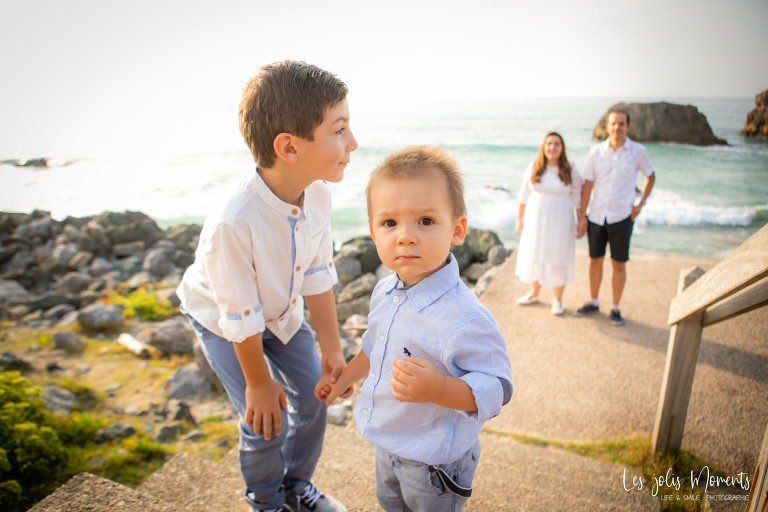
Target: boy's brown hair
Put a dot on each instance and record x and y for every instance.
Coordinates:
(285, 97)
(415, 161)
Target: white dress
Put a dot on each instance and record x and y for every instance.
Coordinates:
(546, 250)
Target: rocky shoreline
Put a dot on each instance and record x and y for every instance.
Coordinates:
(62, 276)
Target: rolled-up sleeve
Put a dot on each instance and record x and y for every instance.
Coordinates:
(643, 163)
(479, 358)
(321, 274)
(232, 279)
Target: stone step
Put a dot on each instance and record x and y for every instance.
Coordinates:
(193, 484)
(85, 492)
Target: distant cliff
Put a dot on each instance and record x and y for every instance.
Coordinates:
(756, 124)
(663, 122)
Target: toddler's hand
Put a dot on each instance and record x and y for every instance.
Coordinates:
(328, 391)
(415, 380)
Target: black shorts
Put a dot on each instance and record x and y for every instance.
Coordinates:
(617, 235)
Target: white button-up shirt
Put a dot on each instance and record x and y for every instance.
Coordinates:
(614, 174)
(440, 320)
(257, 256)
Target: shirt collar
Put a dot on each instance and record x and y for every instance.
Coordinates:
(431, 288)
(274, 202)
(626, 145)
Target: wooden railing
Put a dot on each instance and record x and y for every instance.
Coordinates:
(734, 286)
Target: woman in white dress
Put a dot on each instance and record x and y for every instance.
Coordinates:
(549, 199)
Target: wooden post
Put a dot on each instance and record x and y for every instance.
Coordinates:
(758, 494)
(680, 366)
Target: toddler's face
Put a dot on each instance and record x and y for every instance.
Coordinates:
(413, 225)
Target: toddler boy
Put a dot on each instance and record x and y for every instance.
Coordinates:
(261, 254)
(435, 362)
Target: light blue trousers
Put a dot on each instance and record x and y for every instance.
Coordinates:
(284, 464)
(404, 485)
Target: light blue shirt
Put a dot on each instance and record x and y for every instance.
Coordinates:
(440, 320)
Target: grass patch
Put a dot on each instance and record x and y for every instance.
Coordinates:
(668, 475)
(142, 303)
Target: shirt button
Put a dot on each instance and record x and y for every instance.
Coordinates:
(330, 265)
(365, 412)
(298, 268)
(295, 211)
(373, 375)
(381, 337)
(247, 312)
(297, 229)
(293, 301)
(395, 299)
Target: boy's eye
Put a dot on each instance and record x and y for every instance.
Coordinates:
(340, 130)
(389, 223)
(426, 221)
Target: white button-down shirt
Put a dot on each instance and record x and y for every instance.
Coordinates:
(439, 320)
(257, 256)
(614, 174)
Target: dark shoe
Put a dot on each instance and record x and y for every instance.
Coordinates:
(616, 318)
(315, 501)
(587, 309)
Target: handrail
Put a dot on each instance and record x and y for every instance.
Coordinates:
(746, 265)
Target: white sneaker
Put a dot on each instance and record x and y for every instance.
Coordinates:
(557, 308)
(528, 299)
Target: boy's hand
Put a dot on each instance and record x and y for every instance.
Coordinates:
(332, 365)
(416, 380)
(262, 408)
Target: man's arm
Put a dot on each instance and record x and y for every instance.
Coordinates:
(647, 187)
(263, 396)
(586, 193)
(322, 308)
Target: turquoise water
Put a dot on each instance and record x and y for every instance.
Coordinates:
(707, 200)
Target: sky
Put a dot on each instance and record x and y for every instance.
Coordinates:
(147, 76)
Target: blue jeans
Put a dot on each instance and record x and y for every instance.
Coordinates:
(404, 485)
(283, 465)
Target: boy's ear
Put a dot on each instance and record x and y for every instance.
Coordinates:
(459, 231)
(370, 228)
(284, 147)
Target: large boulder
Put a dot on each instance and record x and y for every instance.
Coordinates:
(662, 122)
(101, 318)
(13, 294)
(364, 250)
(756, 124)
(172, 336)
(122, 227)
(480, 242)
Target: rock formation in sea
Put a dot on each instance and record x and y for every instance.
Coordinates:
(756, 124)
(663, 122)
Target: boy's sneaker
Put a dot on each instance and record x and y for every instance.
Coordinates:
(587, 309)
(312, 500)
(616, 318)
(557, 308)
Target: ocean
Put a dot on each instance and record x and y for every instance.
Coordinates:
(707, 200)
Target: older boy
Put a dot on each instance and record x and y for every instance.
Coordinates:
(266, 250)
(435, 361)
